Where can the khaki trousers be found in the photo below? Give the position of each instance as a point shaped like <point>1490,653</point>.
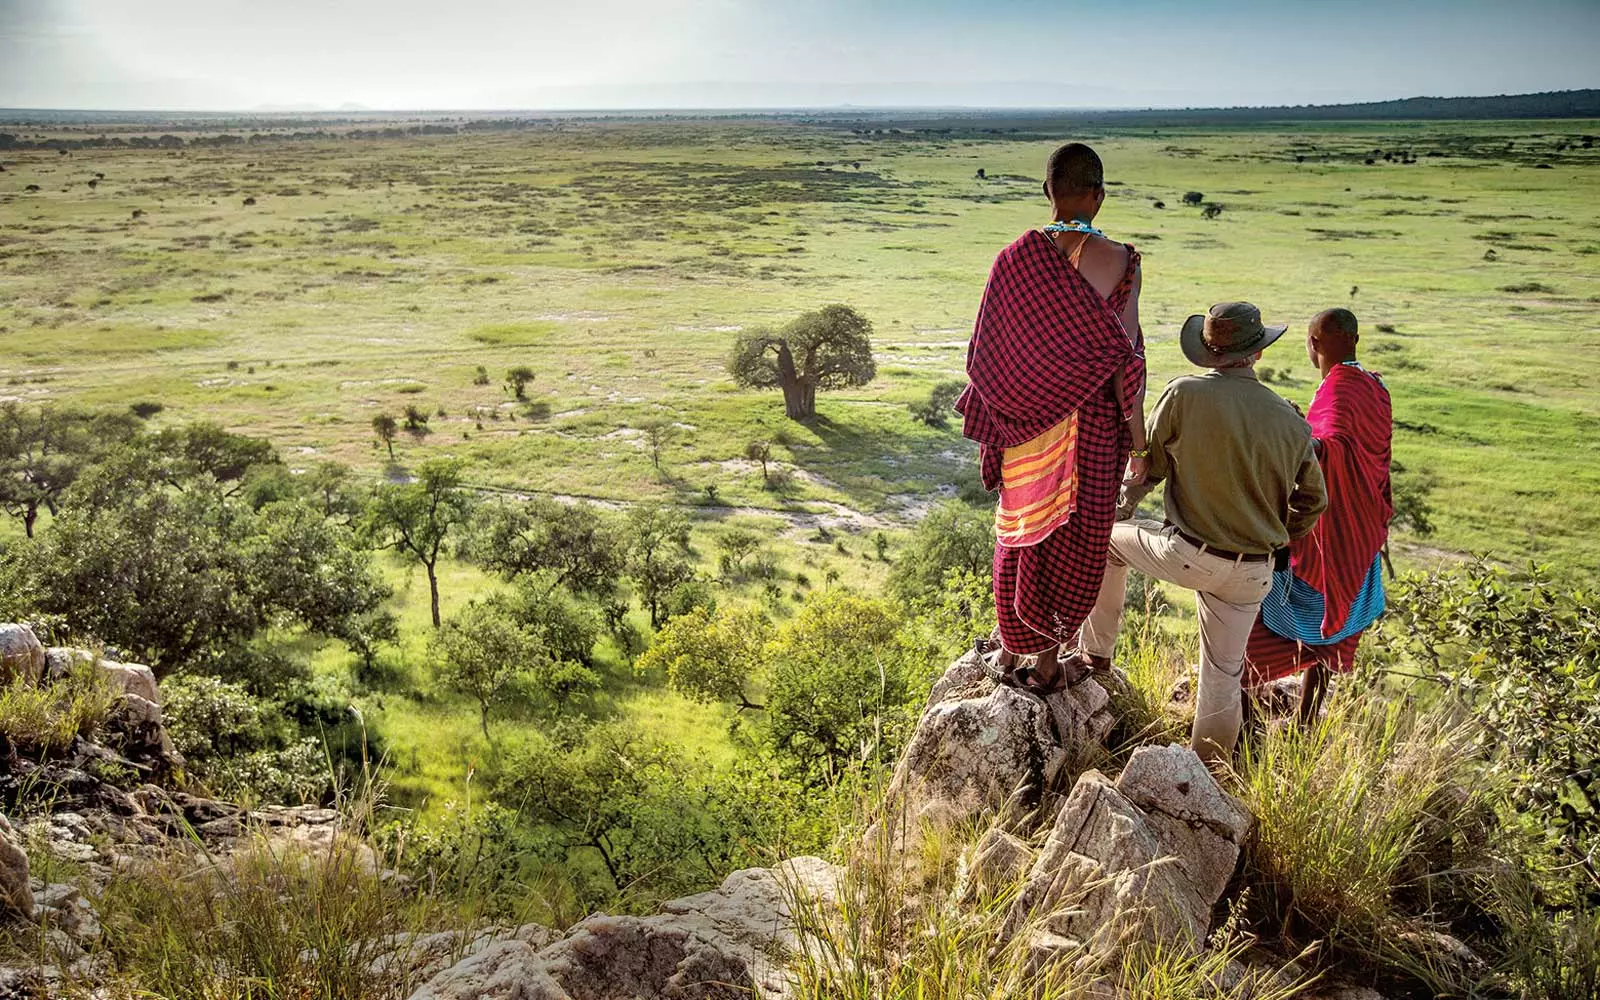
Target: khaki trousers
<point>1229,593</point>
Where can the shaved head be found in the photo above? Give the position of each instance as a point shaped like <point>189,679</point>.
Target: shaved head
<point>1332,338</point>
<point>1074,169</point>
<point>1336,322</point>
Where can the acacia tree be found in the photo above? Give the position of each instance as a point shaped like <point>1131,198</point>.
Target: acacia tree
<point>416,518</point>
<point>481,650</point>
<point>385,426</point>
<point>571,545</point>
<point>517,380</point>
<point>658,555</point>
<point>711,655</point>
<point>830,348</point>
<point>42,452</point>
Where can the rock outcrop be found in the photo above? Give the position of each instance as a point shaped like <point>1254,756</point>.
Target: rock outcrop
<point>16,895</point>
<point>1143,859</point>
<point>981,747</point>
<point>719,944</point>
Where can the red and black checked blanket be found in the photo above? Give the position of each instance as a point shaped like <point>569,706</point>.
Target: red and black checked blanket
<point>1045,346</point>
<point>1045,341</point>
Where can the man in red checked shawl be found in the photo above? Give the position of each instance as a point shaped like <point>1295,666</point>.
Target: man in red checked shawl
<point>1055,401</point>
<point>1314,616</point>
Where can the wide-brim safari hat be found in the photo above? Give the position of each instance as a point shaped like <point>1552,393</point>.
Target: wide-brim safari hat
<point>1229,333</point>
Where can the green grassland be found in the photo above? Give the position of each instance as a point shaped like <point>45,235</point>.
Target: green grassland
<point>618,259</point>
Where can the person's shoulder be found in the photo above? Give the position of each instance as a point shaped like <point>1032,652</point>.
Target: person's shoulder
<point>1105,250</point>
<point>1185,385</point>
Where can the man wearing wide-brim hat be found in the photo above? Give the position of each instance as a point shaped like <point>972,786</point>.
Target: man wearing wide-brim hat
<point>1241,481</point>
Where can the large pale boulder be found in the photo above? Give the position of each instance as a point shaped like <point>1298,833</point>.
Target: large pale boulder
<point>1142,859</point>
<point>1196,822</point>
<point>133,679</point>
<point>21,654</point>
<point>720,944</point>
<point>980,746</point>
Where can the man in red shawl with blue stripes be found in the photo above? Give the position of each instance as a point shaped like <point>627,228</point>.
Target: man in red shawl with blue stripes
<point>1314,616</point>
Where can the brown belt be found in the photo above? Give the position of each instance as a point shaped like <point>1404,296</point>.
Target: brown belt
<point>1224,553</point>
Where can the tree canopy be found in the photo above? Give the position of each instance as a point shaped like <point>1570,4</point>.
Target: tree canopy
<point>829,348</point>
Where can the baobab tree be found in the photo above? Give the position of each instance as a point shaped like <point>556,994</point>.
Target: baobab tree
<point>830,348</point>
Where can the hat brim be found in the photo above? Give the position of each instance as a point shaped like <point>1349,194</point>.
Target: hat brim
<point>1194,346</point>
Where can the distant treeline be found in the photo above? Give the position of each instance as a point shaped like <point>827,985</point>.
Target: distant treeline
<point>1551,104</point>
<point>226,129</point>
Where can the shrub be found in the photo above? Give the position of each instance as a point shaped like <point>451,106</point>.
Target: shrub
<point>935,409</point>
<point>239,745</point>
<point>44,719</point>
<point>1519,654</point>
<point>952,536</point>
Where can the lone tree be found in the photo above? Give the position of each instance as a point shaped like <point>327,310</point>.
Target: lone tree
<point>830,348</point>
<point>517,380</point>
<point>760,451</point>
<point>415,518</point>
<point>386,426</point>
<point>481,650</point>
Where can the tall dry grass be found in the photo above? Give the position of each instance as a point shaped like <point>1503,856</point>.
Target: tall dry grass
<point>905,924</point>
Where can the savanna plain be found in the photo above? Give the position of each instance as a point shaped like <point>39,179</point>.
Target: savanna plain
<point>546,309</point>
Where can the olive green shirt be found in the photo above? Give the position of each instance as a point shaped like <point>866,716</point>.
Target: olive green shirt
<point>1237,460</point>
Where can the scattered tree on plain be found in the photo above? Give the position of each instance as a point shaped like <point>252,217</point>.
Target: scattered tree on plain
<point>658,433</point>
<point>658,555</point>
<point>935,410</point>
<point>710,655</point>
<point>824,350</point>
<point>481,650</point>
<point>385,426</point>
<point>416,518</point>
<point>562,545</point>
<point>760,451</point>
<point>517,380</point>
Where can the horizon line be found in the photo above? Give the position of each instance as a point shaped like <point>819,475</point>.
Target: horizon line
<point>356,109</point>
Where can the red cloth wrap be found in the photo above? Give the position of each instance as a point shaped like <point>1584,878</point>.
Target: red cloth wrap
<point>1045,341</point>
<point>1045,345</point>
<point>1352,422</point>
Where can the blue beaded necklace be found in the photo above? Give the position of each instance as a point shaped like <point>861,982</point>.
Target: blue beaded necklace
<point>1072,227</point>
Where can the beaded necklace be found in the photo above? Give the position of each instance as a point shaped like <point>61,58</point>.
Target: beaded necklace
<point>1072,227</point>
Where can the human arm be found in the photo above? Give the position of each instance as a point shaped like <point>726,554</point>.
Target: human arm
<point>1162,426</point>
<point>1130,385</point>
<point>1309,498</point>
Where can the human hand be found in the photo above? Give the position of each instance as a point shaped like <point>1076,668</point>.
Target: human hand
<point>1138,469</point>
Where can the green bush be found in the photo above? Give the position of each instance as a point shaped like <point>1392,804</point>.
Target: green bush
<point>1523,657</point>
<point>952,536</point>
<point>241,745</point>
<point>934,410</point>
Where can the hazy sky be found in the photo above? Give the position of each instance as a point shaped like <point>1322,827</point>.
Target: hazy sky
<point>232,54</point>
